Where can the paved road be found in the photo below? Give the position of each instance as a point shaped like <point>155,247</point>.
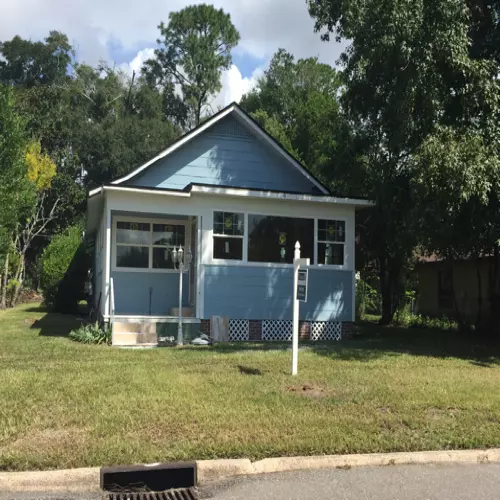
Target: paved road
<point>414,482</point>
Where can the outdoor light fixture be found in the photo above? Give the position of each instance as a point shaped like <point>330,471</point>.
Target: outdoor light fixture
<point>182,261</point>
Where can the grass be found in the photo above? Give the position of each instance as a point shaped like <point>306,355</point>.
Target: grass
<point>67,404</point>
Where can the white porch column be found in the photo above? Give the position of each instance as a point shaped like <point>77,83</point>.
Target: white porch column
<point>200,269</point>
<point>107,258</point>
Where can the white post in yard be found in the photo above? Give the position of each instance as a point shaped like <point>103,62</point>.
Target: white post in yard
<point>295,332</point>
<point>297,262</point>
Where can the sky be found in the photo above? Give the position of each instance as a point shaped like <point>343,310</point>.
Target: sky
<point>124,32</point>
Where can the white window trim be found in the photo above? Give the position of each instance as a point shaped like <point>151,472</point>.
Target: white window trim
<point>243,237</point>
<point>318,241</point>
<point>142,220</point>
<point>245,262</point>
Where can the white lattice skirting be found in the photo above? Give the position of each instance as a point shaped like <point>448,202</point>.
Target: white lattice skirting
<point>239,330</point>
<point>277,330</point>
<point>325,330</point>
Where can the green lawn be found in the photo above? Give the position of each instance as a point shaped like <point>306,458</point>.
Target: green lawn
<point>70,405</point>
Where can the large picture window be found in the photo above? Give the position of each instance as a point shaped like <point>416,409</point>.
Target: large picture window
<point>229,230</point>
<point>144,245</point>
<point>331,242</point>
<point>272,239</point>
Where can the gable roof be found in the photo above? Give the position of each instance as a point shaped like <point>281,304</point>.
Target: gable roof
<point>235,110</point>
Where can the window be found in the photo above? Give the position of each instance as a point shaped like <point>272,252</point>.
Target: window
<point>143,245</point>
<point>165,238</point>
<point>229,229</point>
<point>331,242</point>
<point>272,239</point>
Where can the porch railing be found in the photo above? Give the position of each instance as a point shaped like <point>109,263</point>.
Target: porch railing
<point>112,312</point>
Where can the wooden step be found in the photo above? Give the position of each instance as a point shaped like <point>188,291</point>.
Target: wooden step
<point>187,312</point>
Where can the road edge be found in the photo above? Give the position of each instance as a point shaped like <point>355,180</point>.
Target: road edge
<point>88,480</point>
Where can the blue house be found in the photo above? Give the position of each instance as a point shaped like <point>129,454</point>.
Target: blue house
<point>233,198</point>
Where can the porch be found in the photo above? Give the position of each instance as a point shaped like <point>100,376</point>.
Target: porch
<point>143,291</point>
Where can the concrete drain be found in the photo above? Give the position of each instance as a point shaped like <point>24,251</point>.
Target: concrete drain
<point>174,494</point>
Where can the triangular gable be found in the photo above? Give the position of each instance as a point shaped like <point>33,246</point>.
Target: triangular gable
<point>229,149</point>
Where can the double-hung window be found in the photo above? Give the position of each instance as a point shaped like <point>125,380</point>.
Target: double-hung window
<point>229,230</point>
<point>331,242</point>
<point>145,245</point>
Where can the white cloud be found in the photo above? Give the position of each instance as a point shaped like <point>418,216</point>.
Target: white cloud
<point>137,62</point>
<point>95,25</point>
<point>234,86</point>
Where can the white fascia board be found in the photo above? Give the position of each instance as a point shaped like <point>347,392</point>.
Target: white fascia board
<point>264,136</point>
<point>246,193</point>
<point>177,144</point>
<point>158,192</point>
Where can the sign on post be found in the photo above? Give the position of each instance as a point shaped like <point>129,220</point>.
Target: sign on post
<point>300,278</point>
<point>302,285</point>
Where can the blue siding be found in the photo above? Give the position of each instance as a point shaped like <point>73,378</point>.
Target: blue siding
<point>225,155</point>
<point>266,293</point>
<point>132,292</point>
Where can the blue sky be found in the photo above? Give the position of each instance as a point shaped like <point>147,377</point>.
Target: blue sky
<point>125,32</point>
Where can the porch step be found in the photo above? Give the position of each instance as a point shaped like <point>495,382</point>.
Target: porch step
<point>187,312</point>
<point>134,327</point>
<point>134,338</point>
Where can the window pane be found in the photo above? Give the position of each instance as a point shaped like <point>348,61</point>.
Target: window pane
<point>135,233</point>
<point>331,230</point>
<point>330,254</point>
<point>162,258</point>
<point>229,223</point>
<point>169,235</point>
<point>132,257</point>
<point>272,239</point>
<point>228,248</point>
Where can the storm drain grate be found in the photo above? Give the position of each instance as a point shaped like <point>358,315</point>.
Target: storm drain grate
<point>175,494</point>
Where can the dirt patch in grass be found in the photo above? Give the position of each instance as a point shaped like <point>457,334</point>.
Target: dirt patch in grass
<point>44,439</point>
<point>310,391</point>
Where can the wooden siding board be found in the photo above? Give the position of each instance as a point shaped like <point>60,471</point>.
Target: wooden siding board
<point>217,158</point>
<point>132,292</point>
<point>266,293</point>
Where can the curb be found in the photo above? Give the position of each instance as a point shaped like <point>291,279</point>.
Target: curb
<point>212,470</point>
<point>67,481</point>
<point>88,480</point>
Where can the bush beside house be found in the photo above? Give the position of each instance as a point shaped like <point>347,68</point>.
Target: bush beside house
<point>65,264</point>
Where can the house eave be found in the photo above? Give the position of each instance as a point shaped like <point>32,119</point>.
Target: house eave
<point>206,190</point>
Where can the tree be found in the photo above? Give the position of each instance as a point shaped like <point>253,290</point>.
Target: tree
<point>37,211</point>
<point>195,48</point>
<point>297,103</point>
<point>410,70</point>
<point>12,179</point>
<point>28,63</point>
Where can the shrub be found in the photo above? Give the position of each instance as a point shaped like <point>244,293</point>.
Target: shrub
<point>91,333</point>
<point>405,318</point>
<point>64,270</point>
<point>367,299</point>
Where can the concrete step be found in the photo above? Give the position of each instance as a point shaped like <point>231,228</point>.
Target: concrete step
<point>130,327</point>
<point>134,338</point>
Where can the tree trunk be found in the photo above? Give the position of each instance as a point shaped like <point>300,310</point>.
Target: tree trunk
<point>494,290</point>
<point>19,281</point>
<point>479,292</point>
<point>5,277</point>
<point>456,305</point>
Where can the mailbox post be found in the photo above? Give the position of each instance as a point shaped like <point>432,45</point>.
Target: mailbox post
<point>300,279</point>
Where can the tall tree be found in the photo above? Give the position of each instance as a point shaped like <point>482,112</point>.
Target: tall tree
<point>29,63</point>
<point>195,48</point>
<point>409,70</point>
<point>302,97</point>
